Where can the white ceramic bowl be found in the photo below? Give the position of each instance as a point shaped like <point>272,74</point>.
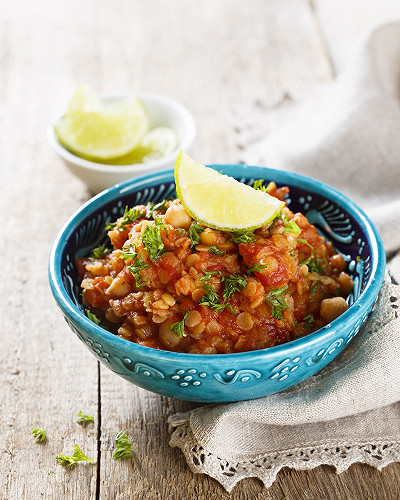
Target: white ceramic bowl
<point>162,111</point>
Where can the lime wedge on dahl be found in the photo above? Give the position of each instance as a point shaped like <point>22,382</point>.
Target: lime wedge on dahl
<point>219,201</point>
<point>99,130</point>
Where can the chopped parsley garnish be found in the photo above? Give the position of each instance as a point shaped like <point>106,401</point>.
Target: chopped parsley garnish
<point>83,418</point>
<point>308,320</point>
<point>208,274</point>
<point>277,301</point>
<point>77,456</point>
<point>259,185</point>
<point>232,284</point>
<point>152,240</point>
<point>314,265</point>
<point>256,268</point>
<point>137,264</point>
<point>289,225</point>
<point>92,317</point>
<point>152,207</point>
<point>313,289</point>
<point>123,446</point>
<point>100,252</point>
<point>129,216</point>
<point>194,233</point>
<point>211,299</point>
<point>243,237</point>
<point>40,434</point>
<point>215,251</point>
<point>179,327</point>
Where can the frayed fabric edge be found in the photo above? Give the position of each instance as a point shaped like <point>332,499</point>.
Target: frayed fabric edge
<point>266,467</point>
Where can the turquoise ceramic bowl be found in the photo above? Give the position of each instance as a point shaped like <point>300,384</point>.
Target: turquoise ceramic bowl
<point>221,377</point>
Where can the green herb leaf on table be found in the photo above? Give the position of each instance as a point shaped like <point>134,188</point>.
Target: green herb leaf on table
<point>40,434</point>
<point>82,417</point>
<point>123,446</point>
<point>275,298</point>
<point>77,456</point>
<point>179,326</point>
<point>194,233</point>
<point>152,240</point>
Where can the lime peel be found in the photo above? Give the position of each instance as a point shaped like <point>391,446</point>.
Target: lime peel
<point>219,201</point>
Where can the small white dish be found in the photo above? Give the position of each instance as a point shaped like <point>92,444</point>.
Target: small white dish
<point>162,111</point>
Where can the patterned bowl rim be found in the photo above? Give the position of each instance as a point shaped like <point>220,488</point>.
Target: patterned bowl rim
<point>362,304</point>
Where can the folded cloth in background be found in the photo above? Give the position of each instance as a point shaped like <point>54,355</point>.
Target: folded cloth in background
<point>349,137</point>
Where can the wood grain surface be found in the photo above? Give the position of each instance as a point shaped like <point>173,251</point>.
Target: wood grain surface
<point>221,58</point>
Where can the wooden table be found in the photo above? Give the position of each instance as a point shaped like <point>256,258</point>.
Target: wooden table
<point>224,59</point>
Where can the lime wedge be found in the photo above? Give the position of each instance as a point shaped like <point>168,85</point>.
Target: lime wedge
<point>99,130</point>
<point>219,201</point>
<point>157,143</point>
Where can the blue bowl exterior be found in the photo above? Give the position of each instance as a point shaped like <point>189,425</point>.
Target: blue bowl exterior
<point>222,377</point>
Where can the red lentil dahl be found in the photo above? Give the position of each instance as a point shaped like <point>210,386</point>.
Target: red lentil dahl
<point>172,284</point>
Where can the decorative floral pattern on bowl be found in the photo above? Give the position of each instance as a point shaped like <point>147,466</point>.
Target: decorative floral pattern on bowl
<point>222,377</point>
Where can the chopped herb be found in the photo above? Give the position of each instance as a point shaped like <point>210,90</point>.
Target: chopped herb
<point>277,301</point>
<point>314,265</point>
<point>194,233</point>
<point>358,258</point>
<point>77,456</point>
<point>40,434</point>
<point>259,185</point>
<point>215,251</point>
<point>291,252</point>
<point>179,327</point>
<point>152,207</point>
<point>123,446</point>
<point>314,287</point>
<point>137,263</point>
<point>290,225</point>
<point>308,320</point>
<point>232,284</point>
<point>130,214</point>
<point>100,252</point>
<point>256,268</point>
<point>243,237</point>
<point>92,317</point>
<point>211,299</point>
<point>208,274</point>
<point>84,418</point>
<point>152,240</point>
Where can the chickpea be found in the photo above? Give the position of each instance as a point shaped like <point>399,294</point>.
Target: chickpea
<point>332,308</point>
<point>177,217</point>
<point>208,237</point>
<point>167,336</point>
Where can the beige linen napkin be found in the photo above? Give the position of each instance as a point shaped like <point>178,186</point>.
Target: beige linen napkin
<point>349,137</point>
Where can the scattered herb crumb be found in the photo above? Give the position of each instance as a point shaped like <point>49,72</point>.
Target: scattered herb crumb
<point>84,418</point>
<point>123,446</point>
<point>40,434</point>
<point>77,456</point>
<point>179,327</point>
